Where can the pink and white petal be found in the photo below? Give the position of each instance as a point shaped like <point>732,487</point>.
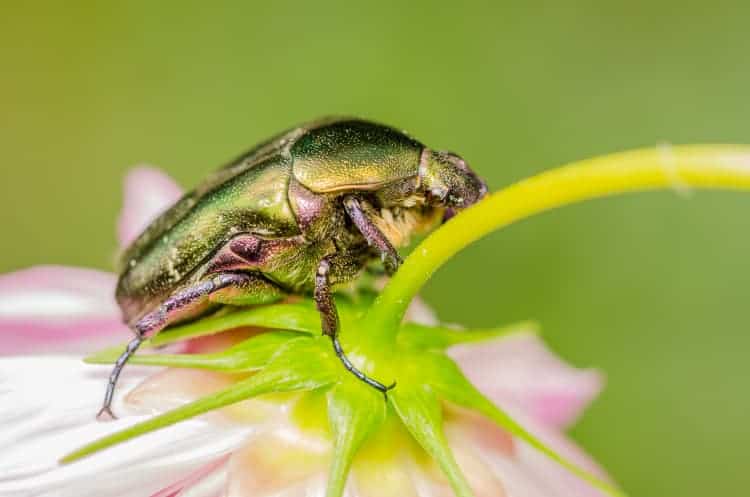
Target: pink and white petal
<point>49,406</point>
<point>383,477</point>
<point>479,475</point>
<point>528,472</point>
<point>421,313</point>
<point>148,192</point>
<point>281,463</point>
<point>207,481</point>
<point>519,370</point>
<point>561,444</point>
<point>53,309</point>
<point>430,483</point>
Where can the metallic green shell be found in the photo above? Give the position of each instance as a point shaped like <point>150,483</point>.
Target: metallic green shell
<point>250,195</point>
<point>179,241</point>
<point>354,155</point>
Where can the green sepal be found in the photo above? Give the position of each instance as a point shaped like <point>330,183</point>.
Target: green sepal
<point>298,365</point>
<point>248,355</point>
<point>299,316</point>
<point>424,337</point>
<point>451,385</point>
<point>354,413</point>
<point>421,412</point>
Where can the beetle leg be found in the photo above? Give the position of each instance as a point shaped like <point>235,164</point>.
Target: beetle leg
<point>256,290</point>
<point>372,234</point>
<point>329,318</point>
<point>168,312</point>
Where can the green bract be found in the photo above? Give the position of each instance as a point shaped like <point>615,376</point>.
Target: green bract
<point>301,359</point>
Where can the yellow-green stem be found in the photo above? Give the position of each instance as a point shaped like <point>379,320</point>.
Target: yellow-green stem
<point>666,167</point>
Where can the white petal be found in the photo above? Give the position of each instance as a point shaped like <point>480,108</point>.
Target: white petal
<point>48,409</point>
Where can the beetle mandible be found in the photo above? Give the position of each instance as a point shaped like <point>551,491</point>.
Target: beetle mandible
<point>299,213</point>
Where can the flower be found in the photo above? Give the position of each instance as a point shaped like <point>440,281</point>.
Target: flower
<point>279,444</point>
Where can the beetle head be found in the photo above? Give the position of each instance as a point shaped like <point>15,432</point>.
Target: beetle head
<point>446,179</point>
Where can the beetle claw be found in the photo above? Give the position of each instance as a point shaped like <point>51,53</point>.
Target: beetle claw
<point>392,263</point>
<point>385,390</point>
<point>105,414</point>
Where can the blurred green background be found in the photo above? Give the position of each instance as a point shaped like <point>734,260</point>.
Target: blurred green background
<point>650,288</point>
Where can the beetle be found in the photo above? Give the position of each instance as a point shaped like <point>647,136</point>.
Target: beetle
<point>299,213</point>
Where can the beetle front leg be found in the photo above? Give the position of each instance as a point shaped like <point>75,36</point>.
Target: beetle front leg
<point>329,319</point>
<point>165,314</point>
<point>372,234</point>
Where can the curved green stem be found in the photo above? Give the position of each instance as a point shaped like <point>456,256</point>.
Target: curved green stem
<point>678,168</point>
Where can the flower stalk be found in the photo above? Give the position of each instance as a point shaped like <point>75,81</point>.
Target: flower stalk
<point>668,167</point>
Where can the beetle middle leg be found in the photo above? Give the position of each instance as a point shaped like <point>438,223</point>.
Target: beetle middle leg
<point>329,318</point>
<point>223,288</point>
<point>371,233</point>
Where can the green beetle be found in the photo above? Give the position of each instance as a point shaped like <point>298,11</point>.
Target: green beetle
<point>303,211</point>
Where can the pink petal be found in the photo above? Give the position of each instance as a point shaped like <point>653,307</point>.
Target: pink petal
<point>481,478</point>
<point>48,309</point>
<point>519,370</point>
<point>421,313</point>
<point>529,472</point>
<point>517,468</point>
<point>148,192</point>
<point>540,464</point>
